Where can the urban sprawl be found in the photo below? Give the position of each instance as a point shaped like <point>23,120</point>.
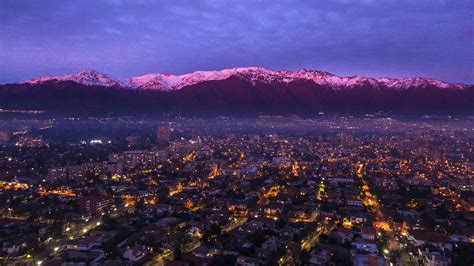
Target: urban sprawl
<point>264,191</point>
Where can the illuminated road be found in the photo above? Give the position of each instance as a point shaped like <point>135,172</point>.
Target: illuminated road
<point>393,244</point>
<point>313,239</point>
<point>55,246</point>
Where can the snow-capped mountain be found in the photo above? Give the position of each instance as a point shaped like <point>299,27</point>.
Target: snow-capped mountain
<point>238,91</point>
<point>87,77</point>
<point>254,75</point>
<point>169,82</point>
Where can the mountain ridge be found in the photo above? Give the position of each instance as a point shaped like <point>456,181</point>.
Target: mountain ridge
<point>170,82</point>
<point>238,91</point>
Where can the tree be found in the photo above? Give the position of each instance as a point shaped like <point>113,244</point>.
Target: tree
<point>178,255</point>
<point>304,257</point>
<point>281,221</point>
<point>463,254</point>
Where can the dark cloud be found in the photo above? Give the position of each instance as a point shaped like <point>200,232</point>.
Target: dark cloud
<point>125,38</point>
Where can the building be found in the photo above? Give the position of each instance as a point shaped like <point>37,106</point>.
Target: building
<point>30,141</point>
<point>135,253</point>
<point>435,259</point>
<point>134,158</point>
<point>58,173</point>
<point>281,162</point>
<point>438,240</point>
<point>368,260</point>
<point>95,204</point>
<point>115,168</point>
<point>163,135</point>
<point>347,140</point>
<point>4,136</point>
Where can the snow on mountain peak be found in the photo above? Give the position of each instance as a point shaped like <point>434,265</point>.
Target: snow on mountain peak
<point>87,77</point>
<point>253,74</point>
<point>169,82</point>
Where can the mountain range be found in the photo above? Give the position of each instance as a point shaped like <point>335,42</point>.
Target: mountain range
<point>237,91</point>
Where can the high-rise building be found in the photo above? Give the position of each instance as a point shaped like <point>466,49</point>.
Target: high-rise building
<point>134,158</point>
<point>347,140</point>
<point>30,141</point>
<point>95,204</point>
<point>163,134</point>
<point>4,136</point>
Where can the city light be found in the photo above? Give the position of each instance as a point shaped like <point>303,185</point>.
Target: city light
<point>293,192</point>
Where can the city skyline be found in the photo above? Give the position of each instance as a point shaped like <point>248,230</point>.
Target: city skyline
<point>331,190</point>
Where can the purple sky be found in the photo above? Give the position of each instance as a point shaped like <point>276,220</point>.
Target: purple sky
<point>127,38</point>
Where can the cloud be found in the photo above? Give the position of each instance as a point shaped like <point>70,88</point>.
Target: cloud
<point>123,38</point>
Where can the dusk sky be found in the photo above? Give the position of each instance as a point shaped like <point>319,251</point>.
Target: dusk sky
<point>128,38</point>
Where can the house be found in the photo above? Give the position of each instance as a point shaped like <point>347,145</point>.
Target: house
<point>301,213</point>
<point>273,210</point>
<point>361,244</point>
<point>203,252</point>
<point>359,218</point>
<point>343,234</point>
<point>13,247</point>
<point>354,201</point>
<point>368,260</point>
<point>162,209</point>
<point>438,240</point>
<point>84,244</point>
<point>368,233</point>
<point>247,261</point>
<point>269,246</point>
<point>459,238</point>
<point>321,257</point>
<point>435,259</point>
<point>76,255</point>
<point>167,223</point>
<point>135,253</point>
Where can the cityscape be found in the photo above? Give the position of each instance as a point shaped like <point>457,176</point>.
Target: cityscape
<point>237,133</point>
<point>333,190</point>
